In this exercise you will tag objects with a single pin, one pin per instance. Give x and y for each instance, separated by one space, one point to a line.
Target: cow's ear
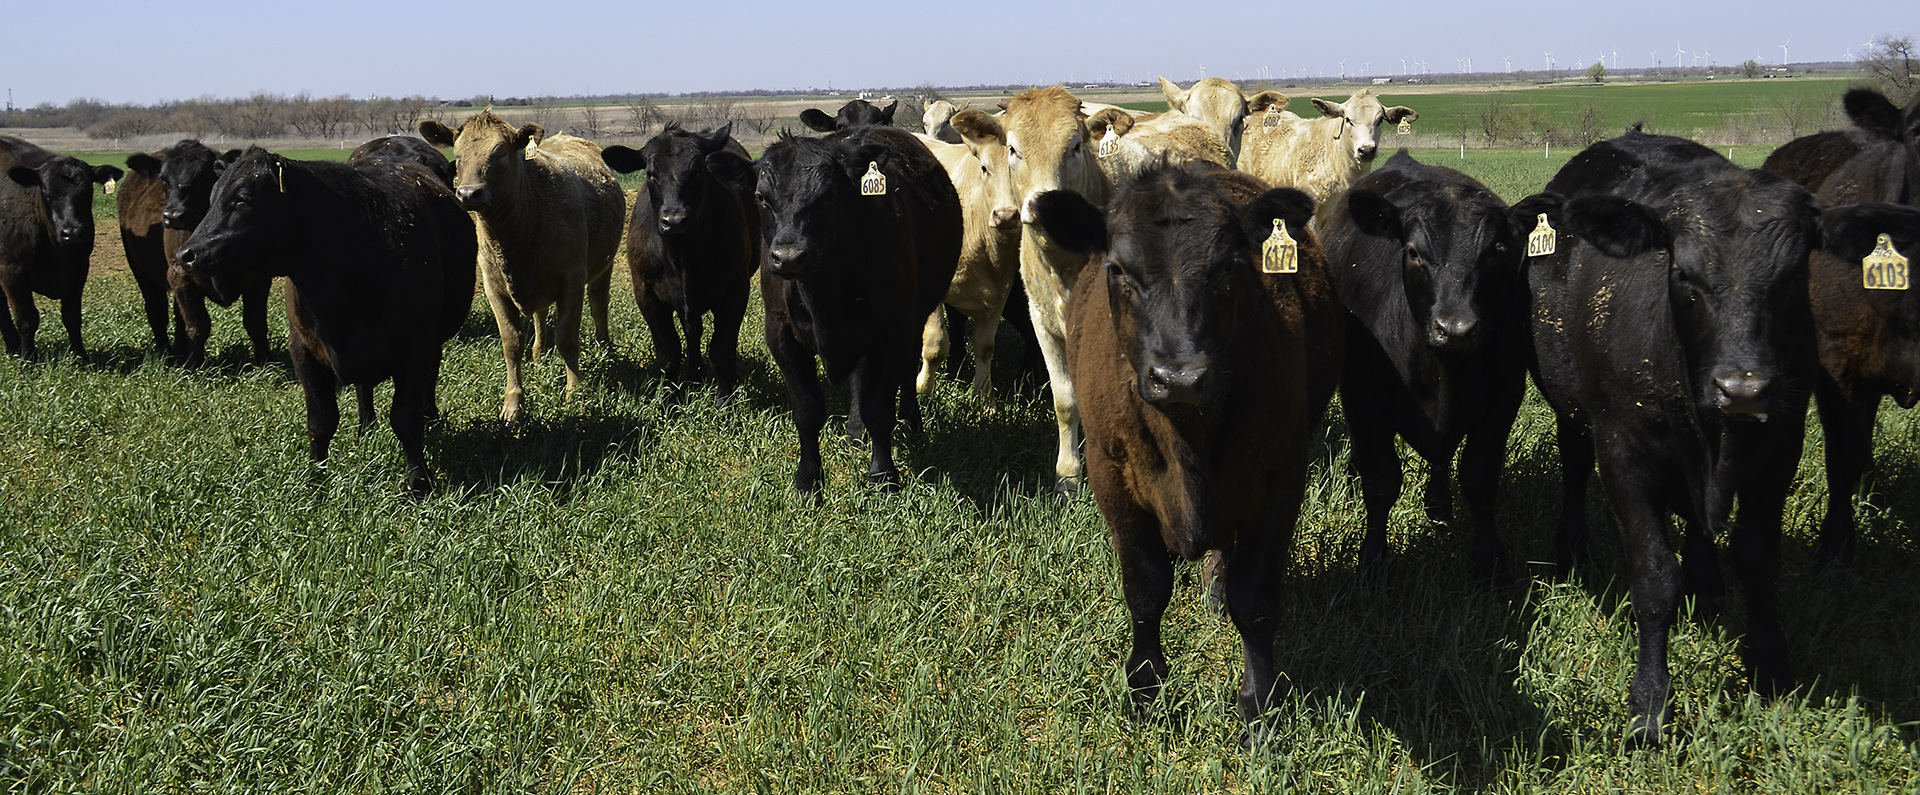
1329 108
1073 223
1176 96
1524 216
731 168
1374 214
886 113
817 120
1286 204
1849 231
978 129
622 159
528 135
144 164
437 134
1259 103
26 177
1873 112
105 174
1616 226
1118 120
856 159
1400 113
230 155
717 137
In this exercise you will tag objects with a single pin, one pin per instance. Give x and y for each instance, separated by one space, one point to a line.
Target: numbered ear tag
280 173
1405 128
1885 268
1272 117
1280 254
874 183
1542 240
1109 143
112 185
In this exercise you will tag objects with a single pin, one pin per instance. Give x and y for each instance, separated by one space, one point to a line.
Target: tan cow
1048 148
1214 102
989 248
1321 157
937 120
550 217
1127 145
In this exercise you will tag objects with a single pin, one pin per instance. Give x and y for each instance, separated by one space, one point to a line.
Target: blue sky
134 52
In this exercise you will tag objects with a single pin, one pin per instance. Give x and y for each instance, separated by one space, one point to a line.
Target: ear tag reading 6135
1542 240
1885 268
1280 254
1405 128
874 183
1109 143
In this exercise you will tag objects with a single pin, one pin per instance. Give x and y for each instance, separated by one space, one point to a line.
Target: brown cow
550 218
1201 378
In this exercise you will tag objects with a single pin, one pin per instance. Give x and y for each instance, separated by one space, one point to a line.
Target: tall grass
622 594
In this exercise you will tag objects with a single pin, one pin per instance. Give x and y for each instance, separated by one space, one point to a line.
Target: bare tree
642 114
1892 64
590 122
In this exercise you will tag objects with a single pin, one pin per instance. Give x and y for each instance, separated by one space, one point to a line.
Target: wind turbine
1549 61
1469 66
1403 67
1616 59
1708 54
1509 61
1343 68
1679 56
1783 51
1366 68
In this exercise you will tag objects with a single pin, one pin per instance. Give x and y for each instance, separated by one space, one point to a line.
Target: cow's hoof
1644 731
419 487
887 482
1065 489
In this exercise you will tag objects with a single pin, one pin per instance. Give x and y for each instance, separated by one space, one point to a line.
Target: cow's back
139 202
928 206
26 232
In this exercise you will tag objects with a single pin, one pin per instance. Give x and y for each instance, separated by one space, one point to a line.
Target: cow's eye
1012 152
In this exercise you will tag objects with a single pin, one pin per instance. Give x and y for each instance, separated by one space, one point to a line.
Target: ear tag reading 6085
1109 143
1280 254
1885 268
1542 240
874 183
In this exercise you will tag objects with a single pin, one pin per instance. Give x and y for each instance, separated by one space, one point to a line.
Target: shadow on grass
484 455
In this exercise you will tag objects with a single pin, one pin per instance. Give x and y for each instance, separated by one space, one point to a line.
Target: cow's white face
1047 148
1361 116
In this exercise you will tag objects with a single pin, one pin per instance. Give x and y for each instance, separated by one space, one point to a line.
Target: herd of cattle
1200 283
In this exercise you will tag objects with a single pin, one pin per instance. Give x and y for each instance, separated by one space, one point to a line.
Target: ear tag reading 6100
1542 240
874 183
1885 268
1405 128
1109 143
1280 254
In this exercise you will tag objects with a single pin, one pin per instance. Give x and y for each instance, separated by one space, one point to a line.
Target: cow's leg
411 394
567 328
1370 445
7 329
363 403
910 406
809 401
1576 466
320 385
153 299
253 317
725 350
696 331
506 315
1634 489
1481 463
873 390
1253 594
599 288
665 336
70 317
956 329
1847 424
198 325
1146 578
26 319
1066 413
985 329
933 350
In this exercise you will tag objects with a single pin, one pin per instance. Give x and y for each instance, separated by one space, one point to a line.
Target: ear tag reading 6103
1109 143
1405 127
874 183
1885 268
1542 240
1280 254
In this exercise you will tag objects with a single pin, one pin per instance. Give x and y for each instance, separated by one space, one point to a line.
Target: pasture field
621 593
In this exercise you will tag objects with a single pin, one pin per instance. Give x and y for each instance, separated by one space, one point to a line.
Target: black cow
1869 339
692 244
857 113
852 277
187 171
46 238
1200 380
378 259
404 148
1436 340
1673 338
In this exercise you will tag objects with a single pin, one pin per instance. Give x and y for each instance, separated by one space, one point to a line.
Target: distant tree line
261 115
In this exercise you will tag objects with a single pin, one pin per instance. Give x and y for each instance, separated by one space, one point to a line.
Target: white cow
1321 157
989 248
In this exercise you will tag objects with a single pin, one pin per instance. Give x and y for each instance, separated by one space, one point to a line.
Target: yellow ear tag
1542 240
280 173
1885 268
112 185
874 183
1272 117
1405 128
1280 254
1109 143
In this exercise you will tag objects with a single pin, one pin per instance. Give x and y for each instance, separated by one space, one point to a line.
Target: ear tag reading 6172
1885 268
1280 254
1405 127
874 183
1109 143
1542 240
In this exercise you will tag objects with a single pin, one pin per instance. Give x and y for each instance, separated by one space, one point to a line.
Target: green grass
622 594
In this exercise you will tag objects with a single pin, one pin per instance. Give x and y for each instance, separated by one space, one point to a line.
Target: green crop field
621 593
